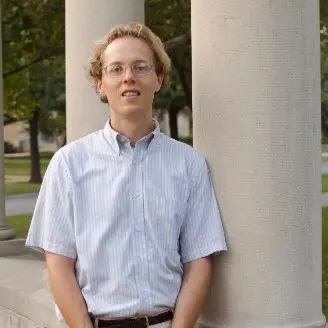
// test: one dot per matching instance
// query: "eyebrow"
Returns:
(120, 63)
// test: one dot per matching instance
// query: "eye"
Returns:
(115, 69)
(141, 67)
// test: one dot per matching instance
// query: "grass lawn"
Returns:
(20, 223)
(17, 173)
(325, 261)
(22, 166)
(16, 188)
(324, 182)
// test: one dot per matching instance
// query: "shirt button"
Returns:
(136, 195)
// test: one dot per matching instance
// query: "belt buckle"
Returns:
(96, 323)
(144, 319)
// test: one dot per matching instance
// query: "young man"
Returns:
(127, 217)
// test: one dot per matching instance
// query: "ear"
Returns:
(160, 79)
(99, 85)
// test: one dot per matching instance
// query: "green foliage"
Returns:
(9, 148)
(33, 30)
(169, 18)
(324, 67)
(33, 40)
(33, 50)
(172, 95)
(187, 140)
(324, 139)
(171, 21)
(53, 103)
(323, 13)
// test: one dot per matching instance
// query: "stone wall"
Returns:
(25, 300)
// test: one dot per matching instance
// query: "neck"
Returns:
(133, 129)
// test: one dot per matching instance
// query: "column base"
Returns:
(323, 324)
(7, 233)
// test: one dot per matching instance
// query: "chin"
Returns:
(131, 111)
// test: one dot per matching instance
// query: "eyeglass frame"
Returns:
(124, 67)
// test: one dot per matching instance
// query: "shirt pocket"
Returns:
(167, 221)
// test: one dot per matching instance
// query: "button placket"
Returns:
(136, 195)
(146, 266)
(139, 229)
(142, 265)
(137, 192)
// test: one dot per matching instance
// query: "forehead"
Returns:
(127, 50)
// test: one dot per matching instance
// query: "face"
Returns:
(128, 91)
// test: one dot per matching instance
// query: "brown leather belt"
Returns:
(133, 322)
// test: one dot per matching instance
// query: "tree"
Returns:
(32, 31)
(33, 38)
(171, 20)
(323, 15)
(53, 104)
(173, 100)
(324, 66)
(36, 100)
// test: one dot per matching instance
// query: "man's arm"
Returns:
(66, 291)
(195, 284)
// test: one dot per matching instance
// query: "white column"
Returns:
(5, 231)
(256, 107)
(86, 22)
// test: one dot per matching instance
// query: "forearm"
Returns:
(67, 293)
(193, 291)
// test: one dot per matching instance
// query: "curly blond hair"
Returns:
(136, 30)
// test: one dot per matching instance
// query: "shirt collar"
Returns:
(116, 140)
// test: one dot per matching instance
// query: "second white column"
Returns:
(86, 22)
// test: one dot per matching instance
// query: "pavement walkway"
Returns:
(325, 199)
(24, 204)
(324, 168)
(20, 204)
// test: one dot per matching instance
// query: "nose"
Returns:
(128, 75)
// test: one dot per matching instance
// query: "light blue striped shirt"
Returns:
(130, 216)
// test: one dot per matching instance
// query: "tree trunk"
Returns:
(173, 122)
(324, 120)
(184, 72)
(34, 148)
(64, 140)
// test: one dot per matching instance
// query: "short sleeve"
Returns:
(52, 226)
(202, 231)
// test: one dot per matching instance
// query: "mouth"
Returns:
(130, 93)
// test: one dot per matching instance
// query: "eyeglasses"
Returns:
(137, 69)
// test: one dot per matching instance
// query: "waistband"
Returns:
(133, 322)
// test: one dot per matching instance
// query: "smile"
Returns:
(131, 93)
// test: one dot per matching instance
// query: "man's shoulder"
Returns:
(75, 153)
(182, 149)
(81, 145)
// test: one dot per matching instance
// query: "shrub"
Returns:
(9, 148)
